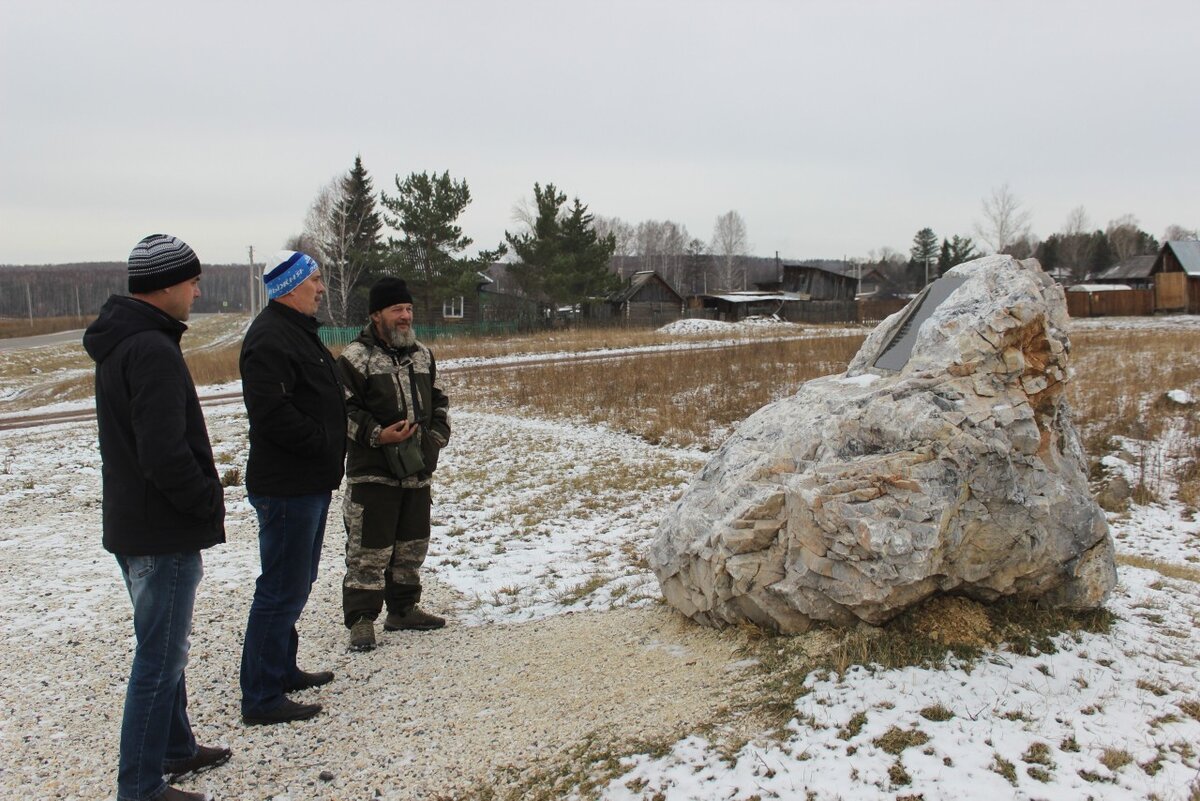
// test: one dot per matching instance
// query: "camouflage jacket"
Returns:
(383, 386)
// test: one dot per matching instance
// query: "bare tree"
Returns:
(341, 230)
(524, 212)
(662, 246)
(1124, 237)
(623, 233)
(1004, 220)
(1177, 233)
(729, 245)
(328, 236)
(1075, 243)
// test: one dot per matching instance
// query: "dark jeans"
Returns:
(291, 531)
(155, 726)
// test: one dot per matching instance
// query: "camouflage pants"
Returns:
(387, 537)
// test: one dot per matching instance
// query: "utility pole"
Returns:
(250, 295)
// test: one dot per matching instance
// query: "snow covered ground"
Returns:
(535, 521)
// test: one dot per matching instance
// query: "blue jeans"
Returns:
(291, 531)
(155, 726)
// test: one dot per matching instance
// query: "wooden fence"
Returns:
(1111, 303)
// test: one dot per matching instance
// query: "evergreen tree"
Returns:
(342, 233)
(962, 248)
(537, 249)
(922, 257)
(1100, 254)
(357, 205)
(943, 262)
(562, 258)
(425, 210)
(586, 254)
(1047, 252)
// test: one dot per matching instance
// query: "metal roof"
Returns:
(1187, 251)
(1097, 287)
(636, 282)
(1133, 267)
(758, 297)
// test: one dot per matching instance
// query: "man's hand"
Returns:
(397, 432)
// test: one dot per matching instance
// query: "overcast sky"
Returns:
(833, 128)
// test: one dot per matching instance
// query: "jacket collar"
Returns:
(299, 318)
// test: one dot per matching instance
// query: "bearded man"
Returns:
(397, 424)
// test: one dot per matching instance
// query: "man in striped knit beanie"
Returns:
(162, 505)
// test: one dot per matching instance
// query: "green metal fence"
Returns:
(333, 336)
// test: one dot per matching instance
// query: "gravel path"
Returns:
(425, 715)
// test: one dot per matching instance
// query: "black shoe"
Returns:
(206, 758)
(175, 794)
(307, 680)
(415, 619)
(287, 711)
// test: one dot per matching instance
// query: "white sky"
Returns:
(834, 128)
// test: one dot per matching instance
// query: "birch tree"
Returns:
(729, 245)
(342, 227)
(1004, 222)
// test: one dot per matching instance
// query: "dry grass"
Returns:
(214, 365)
(1121, 379)
(10, 328)
(676, 397)
(1168, 569)
(580, 340)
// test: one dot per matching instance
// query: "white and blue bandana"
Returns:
(290, 270)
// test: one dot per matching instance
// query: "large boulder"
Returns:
(943, 460)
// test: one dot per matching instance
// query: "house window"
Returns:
(453, 308)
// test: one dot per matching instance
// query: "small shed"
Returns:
(819, 282)
(647, 299)
(1176, 272)
(732, 307)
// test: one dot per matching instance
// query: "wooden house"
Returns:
(1176, 272)
(1132, 273)
(820, 282)
(646, 299)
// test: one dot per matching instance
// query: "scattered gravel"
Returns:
(424, 715)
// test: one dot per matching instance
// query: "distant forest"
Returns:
(58, 290)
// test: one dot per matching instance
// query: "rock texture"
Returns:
(864, 493)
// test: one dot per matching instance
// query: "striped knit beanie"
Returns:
(286, 271)
(160, 261)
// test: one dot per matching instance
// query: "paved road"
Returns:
(42, 339)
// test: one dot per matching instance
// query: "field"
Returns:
(562, 675)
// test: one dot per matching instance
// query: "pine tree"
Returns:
(962, 248)
(425, 210)
(1100, 254)
(342, 233)
(923, 255)
(585, 264)
(1047, 252)
(943, 262)
(562, 258)
(362, 249)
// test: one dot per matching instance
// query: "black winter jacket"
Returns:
(161, 490)
(295, 403)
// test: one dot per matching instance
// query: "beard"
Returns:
(398, 338)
